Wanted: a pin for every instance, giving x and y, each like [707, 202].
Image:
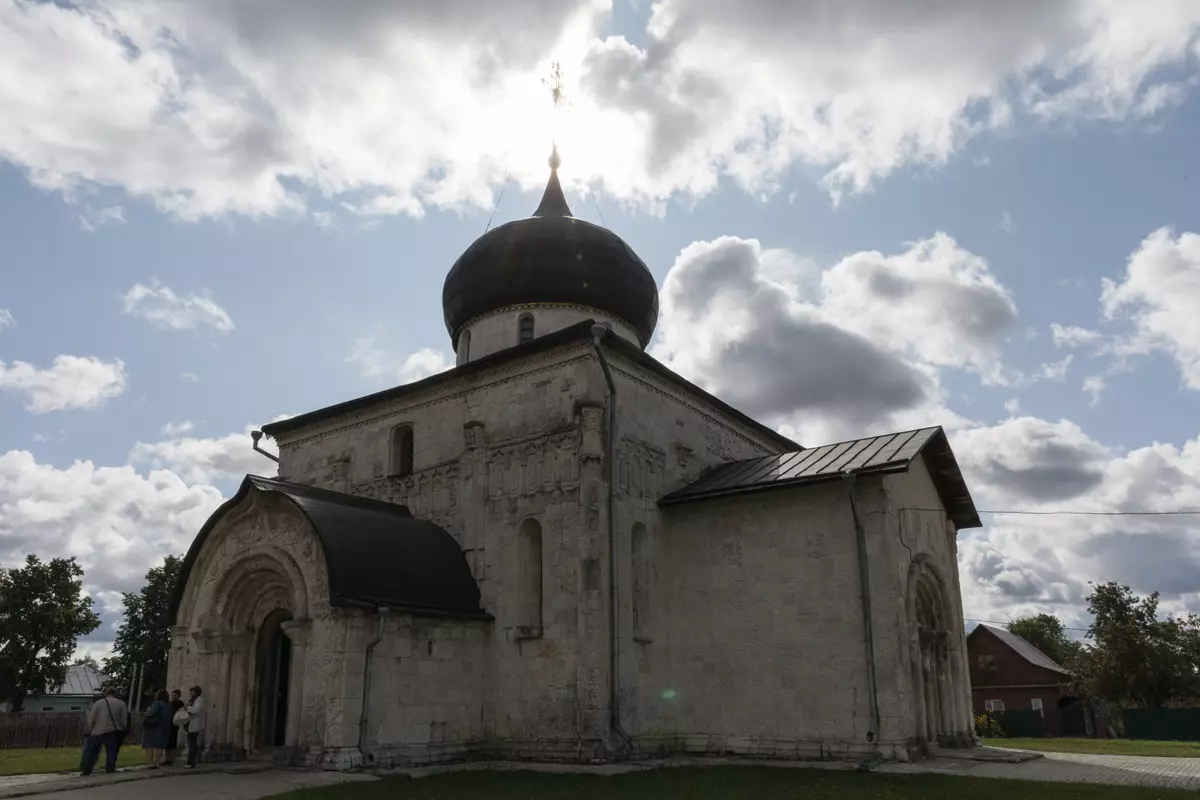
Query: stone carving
[473, 434]
[429, 493]
[529, 466]
[641, 467]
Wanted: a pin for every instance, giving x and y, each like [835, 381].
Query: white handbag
[181, 718]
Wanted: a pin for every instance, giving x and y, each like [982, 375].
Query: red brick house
[1010, 674]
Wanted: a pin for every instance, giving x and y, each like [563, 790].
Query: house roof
[376, 553]
[1022, 648]
[82, 680]
[572, 334]
[893, 452]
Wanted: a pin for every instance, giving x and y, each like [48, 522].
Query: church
[561, 550]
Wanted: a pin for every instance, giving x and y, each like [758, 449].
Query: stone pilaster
[299, 632]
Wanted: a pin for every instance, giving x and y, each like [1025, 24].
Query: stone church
[562, 550]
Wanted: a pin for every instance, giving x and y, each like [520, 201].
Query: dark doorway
[275, 661]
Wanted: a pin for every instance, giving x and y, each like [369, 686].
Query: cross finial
[553, 82]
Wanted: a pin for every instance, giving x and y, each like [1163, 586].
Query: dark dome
[551, 257]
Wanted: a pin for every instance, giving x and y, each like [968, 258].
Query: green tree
[1136, 657]
[43, 612]
[86, 661]
[1046, 633]
[143, 637]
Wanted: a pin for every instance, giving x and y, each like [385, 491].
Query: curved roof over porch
[377, 554]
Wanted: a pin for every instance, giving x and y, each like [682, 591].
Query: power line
[497, 205]
[1075, 513]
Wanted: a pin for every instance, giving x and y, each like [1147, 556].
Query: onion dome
[551, 258]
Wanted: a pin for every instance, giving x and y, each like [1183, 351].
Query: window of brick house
[1036, 704]
[993, 705]
[987, 662]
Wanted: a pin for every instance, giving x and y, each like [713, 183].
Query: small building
[77, 693]
[1010, 674]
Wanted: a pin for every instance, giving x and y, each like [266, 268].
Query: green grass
[721, 783]
[59, 759]
[1107, 747]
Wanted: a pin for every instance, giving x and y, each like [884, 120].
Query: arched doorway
[274, 659]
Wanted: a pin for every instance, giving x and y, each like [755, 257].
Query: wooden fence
[49, 729]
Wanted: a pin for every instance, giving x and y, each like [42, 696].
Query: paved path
[206, 785]
[1179, 773]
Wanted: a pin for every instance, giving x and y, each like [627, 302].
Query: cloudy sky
[863, 216]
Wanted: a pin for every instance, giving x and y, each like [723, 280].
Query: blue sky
[1048, 186]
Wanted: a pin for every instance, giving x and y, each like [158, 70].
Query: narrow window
[529, 577]
[525, 322]
[1036, 704]
[464, 347]
[401, 457]
[641, 556]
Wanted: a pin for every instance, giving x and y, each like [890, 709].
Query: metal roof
[1023, 648]
[892, 452]
[376, 553]
[82, 680]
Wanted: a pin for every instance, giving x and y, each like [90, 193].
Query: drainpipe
[382, 615]
[610, 450]
[256, 436]
[864, 581]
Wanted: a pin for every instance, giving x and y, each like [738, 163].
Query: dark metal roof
[376, 553]
[892, 452]
[80, 680]
[579, 332]
[551, 257]
[1023, 648]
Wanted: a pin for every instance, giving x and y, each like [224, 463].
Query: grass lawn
[721, 783]
[59, 759]
[1107, 747]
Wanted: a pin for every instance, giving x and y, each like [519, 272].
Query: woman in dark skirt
[176, 704]
[157, 728]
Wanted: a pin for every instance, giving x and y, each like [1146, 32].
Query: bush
[988, 727]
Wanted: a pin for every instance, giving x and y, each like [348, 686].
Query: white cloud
[222, 106]
[6, 319]
[93, 218]
[72, 382]
[1056, 370]
[116, 521]
[177, 428]
[377, 363]
[1006, 222]
[1159, 295]
[207, 459]
[847, 352]
[1025, 564]
[1073, 335]
[1012, 405]
[165, 309]
[190, 377]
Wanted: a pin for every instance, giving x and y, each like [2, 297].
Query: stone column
[206, 651]
[299, 632]
[239, 668]
[175, 666]
[966, 699]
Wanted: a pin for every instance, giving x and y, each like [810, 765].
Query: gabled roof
[81, 679]
[875, 455]
[376, 553]
[1022, 648]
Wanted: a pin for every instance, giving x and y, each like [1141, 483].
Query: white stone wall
[427, 691]
[757, 641]
[500, 329]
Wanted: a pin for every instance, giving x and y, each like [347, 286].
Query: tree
[1046, 633]
[43, 612]
[1136, 657]
[86, 661]
[143, 637]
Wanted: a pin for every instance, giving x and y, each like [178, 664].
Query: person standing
[173, 745]
[157, 729]
[197, 718]
[106, 724]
